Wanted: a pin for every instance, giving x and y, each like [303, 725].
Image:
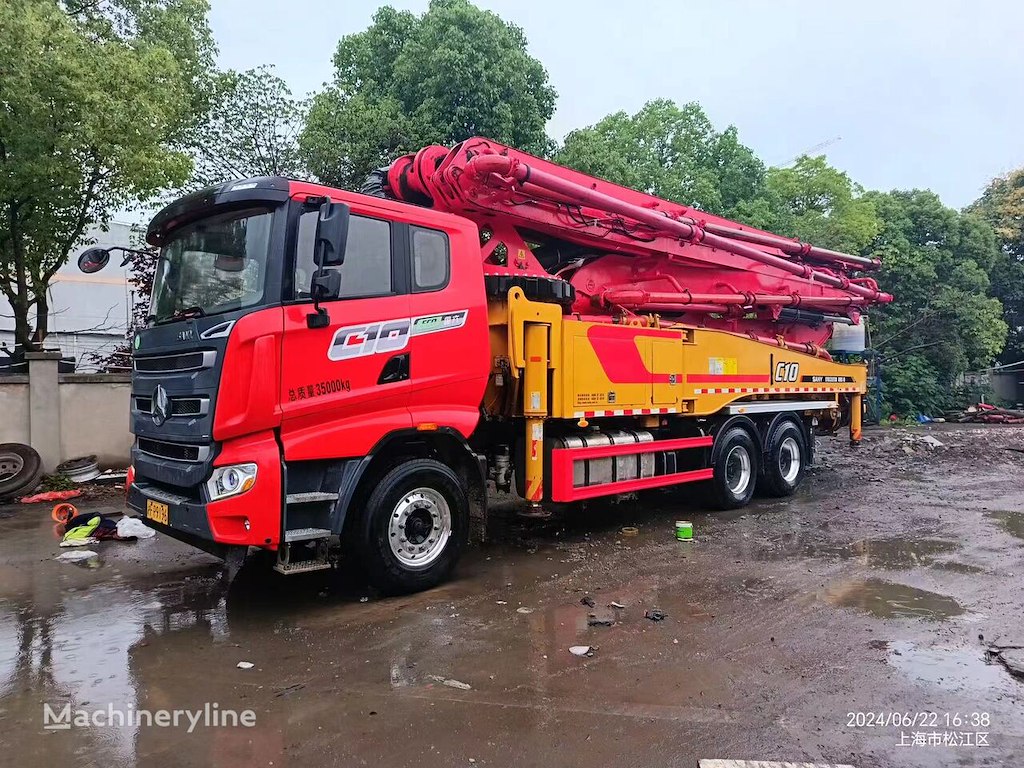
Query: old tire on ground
[20, 469]
[414, 527]
[785, 459]
[735, 463]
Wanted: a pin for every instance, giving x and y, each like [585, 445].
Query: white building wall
[88, 313]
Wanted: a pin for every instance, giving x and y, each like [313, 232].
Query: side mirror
[331, 235]
[325, 285]
[92, 260]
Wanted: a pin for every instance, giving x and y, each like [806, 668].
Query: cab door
[345, 386]
[450, 360]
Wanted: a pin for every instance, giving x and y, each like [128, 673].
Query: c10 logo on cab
[390, 335]
[786, 372]
[361, 340]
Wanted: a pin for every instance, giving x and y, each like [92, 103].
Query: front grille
[185, 406]
[175, 451]
[180, 406]
[186, 361]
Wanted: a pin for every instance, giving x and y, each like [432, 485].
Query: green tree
[944, 320]
[409, 81]
[815, 202]
[252, 129]
[1002, 206]
[95, 98]
[669, 151]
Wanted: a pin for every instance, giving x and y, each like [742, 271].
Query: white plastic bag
[76, 555]
[132, 526]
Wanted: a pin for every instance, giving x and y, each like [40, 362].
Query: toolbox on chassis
[325, 369]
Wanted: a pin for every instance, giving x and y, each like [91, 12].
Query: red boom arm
[625, 251]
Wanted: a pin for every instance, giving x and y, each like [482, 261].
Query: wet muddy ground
[848, 624]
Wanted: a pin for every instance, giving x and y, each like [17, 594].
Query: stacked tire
[20, 469]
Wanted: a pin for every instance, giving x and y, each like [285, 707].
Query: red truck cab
[263, 416]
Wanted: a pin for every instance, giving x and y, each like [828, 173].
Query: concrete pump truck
[327, 371]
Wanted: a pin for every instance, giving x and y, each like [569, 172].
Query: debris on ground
[79, 541]
[600, 620]
[50, 496]
[906, 449]
[89, 527]
[62, 512]
[581, 650]
[524, 609]
[80, 470]
[450, 682]
[618, 606]
[245, 665]
[1010, 656]
[111, 477]
[588, 601]
[630, 530]
[983, 413]
[133, 527]
[654, 614]
[1013, 660]
[684, 530]
[77, 556]
[21, 468]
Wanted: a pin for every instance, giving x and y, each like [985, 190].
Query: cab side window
[367, 267]
[430, 260]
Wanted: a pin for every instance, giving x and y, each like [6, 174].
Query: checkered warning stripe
[624, 412]
[767, 390]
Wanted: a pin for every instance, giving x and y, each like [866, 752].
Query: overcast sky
[923, 94]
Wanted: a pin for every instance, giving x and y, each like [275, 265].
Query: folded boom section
[625, 252]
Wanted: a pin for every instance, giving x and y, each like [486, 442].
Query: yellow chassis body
[567, 368]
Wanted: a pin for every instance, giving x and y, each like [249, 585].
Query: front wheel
[735, 469]
[414, 527]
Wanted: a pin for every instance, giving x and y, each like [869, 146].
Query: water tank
[848, 338]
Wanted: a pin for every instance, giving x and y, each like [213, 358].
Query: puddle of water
[952, 669]
[1012, 522]
[887, 600]
[894, 553]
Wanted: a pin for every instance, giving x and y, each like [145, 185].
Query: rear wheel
[735, 469]
[415, 526]
[785, 459]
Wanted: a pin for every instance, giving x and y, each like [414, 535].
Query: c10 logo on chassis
[389, 335]
[786, 372]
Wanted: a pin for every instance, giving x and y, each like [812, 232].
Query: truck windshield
[212, 265]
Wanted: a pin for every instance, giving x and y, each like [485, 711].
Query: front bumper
[188, 521]
[252, 518]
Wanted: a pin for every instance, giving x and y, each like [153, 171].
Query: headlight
[231, 481]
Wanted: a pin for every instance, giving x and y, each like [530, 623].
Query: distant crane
[815, 148]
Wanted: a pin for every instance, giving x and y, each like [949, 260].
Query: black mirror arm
[325, 284]
[318, 318]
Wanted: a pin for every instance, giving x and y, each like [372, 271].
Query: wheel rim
[737, 470]
[789, 460]
[11, 465]
[419, 528]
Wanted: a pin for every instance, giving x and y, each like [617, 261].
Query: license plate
[156, 511]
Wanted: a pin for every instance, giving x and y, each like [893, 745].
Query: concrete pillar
[44, 407]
